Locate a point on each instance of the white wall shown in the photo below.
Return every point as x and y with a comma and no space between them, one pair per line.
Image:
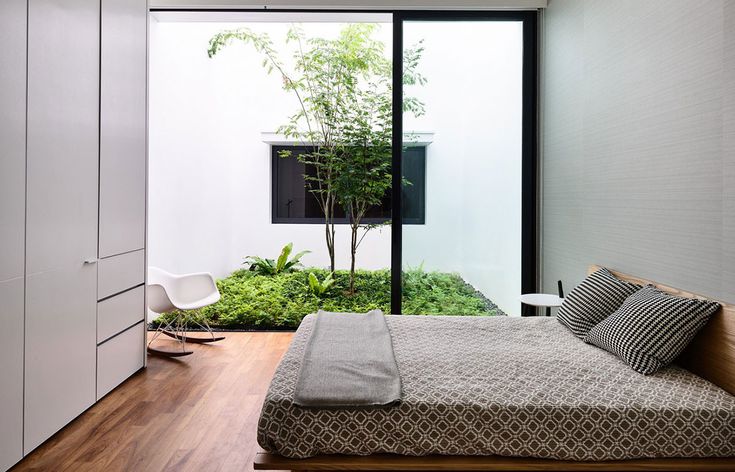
210,171
639,133
210,174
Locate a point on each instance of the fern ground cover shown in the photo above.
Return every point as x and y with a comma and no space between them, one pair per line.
253,301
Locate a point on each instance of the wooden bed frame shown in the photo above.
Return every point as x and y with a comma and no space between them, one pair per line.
711,355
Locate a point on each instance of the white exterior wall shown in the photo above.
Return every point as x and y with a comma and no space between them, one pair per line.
210,176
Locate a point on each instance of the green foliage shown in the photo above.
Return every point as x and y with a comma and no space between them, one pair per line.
281,301
412,77
280,265
320,288
441,293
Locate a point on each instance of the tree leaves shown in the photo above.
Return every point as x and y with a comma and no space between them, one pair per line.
344,89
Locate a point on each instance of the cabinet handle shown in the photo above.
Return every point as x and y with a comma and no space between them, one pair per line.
90,261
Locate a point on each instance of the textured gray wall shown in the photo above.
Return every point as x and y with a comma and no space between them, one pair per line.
639,141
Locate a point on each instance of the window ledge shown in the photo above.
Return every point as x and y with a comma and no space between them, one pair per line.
415,138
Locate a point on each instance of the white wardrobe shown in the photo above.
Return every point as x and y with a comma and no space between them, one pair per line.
72,210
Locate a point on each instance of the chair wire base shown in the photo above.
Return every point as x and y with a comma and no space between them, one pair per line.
177,328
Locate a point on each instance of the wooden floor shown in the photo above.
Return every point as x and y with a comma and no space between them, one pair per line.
198,413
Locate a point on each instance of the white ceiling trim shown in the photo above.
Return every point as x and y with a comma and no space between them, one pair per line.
178,16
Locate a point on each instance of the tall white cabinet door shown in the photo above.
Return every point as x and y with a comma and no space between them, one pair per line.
11,372
12,136
12,225
61,215
123,126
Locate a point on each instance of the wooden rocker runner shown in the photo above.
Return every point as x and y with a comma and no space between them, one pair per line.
183,294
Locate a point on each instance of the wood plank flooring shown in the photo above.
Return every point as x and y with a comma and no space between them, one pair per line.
197,413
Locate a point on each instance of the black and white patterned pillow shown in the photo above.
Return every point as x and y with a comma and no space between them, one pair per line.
596,298
651,328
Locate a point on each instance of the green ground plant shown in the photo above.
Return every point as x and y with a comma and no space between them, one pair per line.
264,266
254,301
320,287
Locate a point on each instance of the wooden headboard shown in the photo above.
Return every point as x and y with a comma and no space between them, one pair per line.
711,354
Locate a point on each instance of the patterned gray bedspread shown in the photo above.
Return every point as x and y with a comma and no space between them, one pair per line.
506,386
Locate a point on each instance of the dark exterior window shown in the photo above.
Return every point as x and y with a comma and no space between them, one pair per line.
293,203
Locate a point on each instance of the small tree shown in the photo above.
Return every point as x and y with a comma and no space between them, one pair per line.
344,90
364,168
324,73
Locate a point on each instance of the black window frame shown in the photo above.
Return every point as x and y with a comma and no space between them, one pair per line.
276,161
529,174
529,139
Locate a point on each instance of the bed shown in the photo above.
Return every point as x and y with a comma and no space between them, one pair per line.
514,394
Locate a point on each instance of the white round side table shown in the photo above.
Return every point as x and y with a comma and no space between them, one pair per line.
546,300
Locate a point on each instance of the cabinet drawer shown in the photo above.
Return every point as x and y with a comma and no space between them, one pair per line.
119,358
119,273
119,312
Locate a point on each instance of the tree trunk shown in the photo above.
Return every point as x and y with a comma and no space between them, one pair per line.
329,230
331,255
353,253
356,214
330,246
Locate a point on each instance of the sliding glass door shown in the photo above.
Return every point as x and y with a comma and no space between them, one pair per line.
465,170
395,148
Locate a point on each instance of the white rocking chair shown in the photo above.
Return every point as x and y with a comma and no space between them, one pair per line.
187,292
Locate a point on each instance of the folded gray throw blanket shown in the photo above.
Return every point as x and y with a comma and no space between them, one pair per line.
348,363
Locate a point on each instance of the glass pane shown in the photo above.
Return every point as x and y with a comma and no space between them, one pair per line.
462,96
244,106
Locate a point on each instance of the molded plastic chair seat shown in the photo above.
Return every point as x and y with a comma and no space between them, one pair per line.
168,292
